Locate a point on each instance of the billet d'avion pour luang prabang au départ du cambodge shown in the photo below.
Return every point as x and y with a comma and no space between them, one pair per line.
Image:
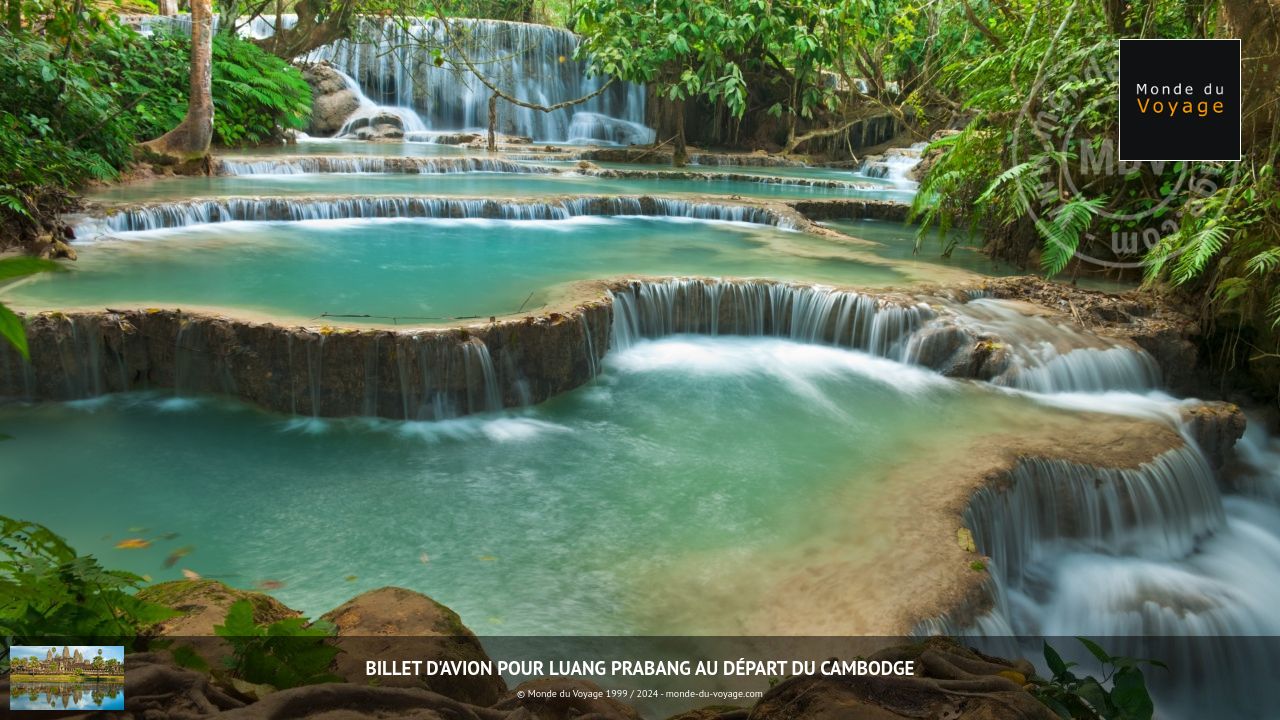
510,359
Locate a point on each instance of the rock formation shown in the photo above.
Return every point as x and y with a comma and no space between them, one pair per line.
332,100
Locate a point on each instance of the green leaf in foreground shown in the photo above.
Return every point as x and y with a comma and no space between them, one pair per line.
13,330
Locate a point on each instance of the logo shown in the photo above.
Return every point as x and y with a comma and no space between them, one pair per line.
1127,201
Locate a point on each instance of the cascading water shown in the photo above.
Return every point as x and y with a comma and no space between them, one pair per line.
894,165
1046,356
373,165
396,64
1155,561
199,212
804,313
368,113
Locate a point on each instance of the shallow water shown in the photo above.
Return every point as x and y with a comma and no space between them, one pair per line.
479,184
575,516
425,269
896,241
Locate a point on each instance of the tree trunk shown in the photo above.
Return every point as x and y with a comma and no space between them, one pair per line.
493,122
1257,24
168,7
680,155
190,140
319,23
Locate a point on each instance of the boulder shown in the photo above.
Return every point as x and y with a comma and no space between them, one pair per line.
930,157
393,624
332,100
201,605
379,126
951,682
544,699
204,603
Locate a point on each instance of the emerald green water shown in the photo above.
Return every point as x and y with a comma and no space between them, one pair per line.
478,184
423,268
896,242
575,516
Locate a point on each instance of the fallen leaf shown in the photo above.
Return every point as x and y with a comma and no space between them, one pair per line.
270,584
488,558
424,559
190,574
177,555
351,578
133,544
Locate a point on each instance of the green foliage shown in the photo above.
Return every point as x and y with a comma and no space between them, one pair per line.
78,96
57,128
255,94
47,590
287,653
1038,160
11,327
807,55
1088,698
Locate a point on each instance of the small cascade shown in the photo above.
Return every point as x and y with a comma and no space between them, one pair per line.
155,216
310,165
483,393
894,166
1045,356
363,122
589,127
804,313
395,64
1160,511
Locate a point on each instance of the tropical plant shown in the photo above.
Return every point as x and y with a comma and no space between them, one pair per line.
11,327
817,65
1120,694
48,590
1034,170
287,653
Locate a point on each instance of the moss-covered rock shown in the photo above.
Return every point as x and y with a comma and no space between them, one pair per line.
395,624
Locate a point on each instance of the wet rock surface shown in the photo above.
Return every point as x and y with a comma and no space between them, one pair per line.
852,210
1165,333
1215,426
332,100
329,372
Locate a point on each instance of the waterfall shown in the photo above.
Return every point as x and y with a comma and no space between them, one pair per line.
368,112
307,165
476,353
396,64
804,313
1160,510
894,165
1152,561
1085,370
155,216
1046,356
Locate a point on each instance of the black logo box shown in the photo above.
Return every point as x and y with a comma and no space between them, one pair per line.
1185,64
